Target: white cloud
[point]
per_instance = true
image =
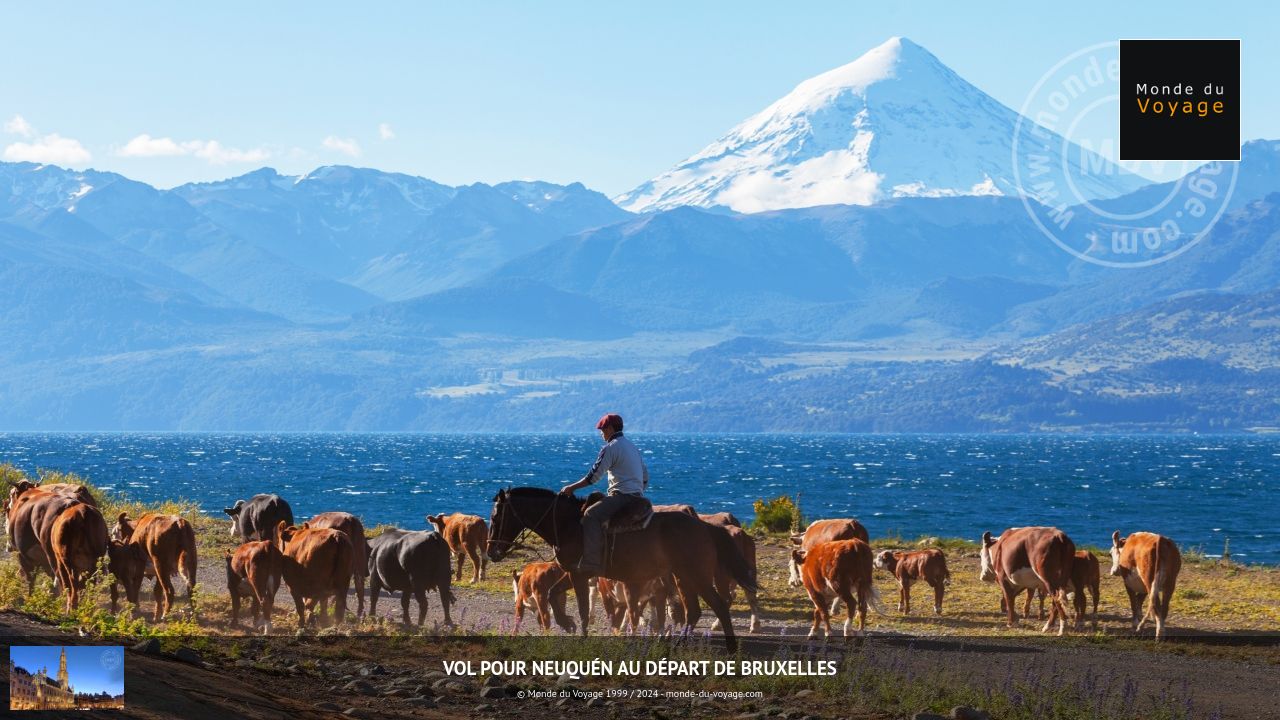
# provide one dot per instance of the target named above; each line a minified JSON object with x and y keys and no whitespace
{"x":211,"y":151}
{"x":19,"y":126}
{"x":146,"y":146}
{"x":52,"y":148}
{"x":346,"y":146}
{"x":385,"y":132}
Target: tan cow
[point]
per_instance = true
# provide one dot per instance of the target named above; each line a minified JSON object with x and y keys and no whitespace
{"x":911,"y":567}
{"x":169,"y":544}
{"x":254,"y":570}
{"x":466,"y":536}
{"x":1149,"y":564}
{"x":77,"y":541}
{"x":820,"y":531}
{"x":316,"y":565}
{"x":1030,"y":557}
{"x":351,"y":525}
{"x":542,"y":587}
{"x":838,"y":570}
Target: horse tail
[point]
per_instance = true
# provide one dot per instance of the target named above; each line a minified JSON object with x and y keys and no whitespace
{"x":730,"y":557}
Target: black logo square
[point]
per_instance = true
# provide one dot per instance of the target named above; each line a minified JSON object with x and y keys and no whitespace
{"x":1179,"y":99}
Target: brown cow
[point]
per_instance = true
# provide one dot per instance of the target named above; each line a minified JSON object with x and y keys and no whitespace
{"x":71,"y":490}
{"x":542,"y":587}
{"x":724,"y":581}
{"x":466,"y":535}
{"x":254,"y":571}
{"x":77,"y":540}
{"x":837,"y":570}
{"x":820,"y":531}
{"x":169,"y":543}
{"x":910,"y":567}
{"x":685,"y":508}
{"x":316,"y":565}
{"x":351,"y":525}
{"x":127,"y":563}
{"x":723,"y":519}
{"x":1149,"y":564}
{"x":1030,"y":557}
{"x":1084,"y":577}
{"x":29,"y":523}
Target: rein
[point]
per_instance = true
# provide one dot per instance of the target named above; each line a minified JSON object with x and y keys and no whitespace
{"x":517,"y":541}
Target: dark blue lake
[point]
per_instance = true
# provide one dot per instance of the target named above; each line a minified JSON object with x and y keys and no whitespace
{"x":1198,"y":490}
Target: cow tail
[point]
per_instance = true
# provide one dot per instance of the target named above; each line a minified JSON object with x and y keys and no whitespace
{"x":946,"y":576}
{"x":187,"y":553}
{"x":730,"y":557}
{"x":873,"y":598}
{"x":1157,"y":588}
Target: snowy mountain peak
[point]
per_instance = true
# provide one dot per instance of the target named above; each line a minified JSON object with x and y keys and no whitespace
{"x":895,"y":122}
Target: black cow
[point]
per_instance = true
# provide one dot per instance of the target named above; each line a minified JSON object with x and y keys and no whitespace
{"x":257,"y":518}
{"x":411,"y":563}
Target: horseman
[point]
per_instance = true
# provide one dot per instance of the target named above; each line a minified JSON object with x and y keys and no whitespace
{"x":628,"y":479}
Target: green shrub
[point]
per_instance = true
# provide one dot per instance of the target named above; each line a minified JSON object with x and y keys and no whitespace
{"x":779,"y":515}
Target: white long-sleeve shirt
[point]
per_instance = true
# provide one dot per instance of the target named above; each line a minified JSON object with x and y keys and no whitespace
{"x":622,"y":461}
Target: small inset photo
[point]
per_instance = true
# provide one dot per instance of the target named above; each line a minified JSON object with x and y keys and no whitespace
{"x":74,"y":677}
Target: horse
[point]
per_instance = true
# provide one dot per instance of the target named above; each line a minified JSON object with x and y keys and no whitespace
{"x":672,"y":542}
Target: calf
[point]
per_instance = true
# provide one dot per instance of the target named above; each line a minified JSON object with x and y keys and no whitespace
{"x":410,"y":563}
{"x":542,"y":587}
{"x":127,"y":564}
{"x":837,"y":570}
{"x":258,"y":518}
{"x":624,"y":603}
{"x":316,"y":565}
{"x":820,"y":531}
{"x":254,"y":571}
{"x":466,"y":535}
{"x":1149,"y":564}
{"x":351,"y":525}
{"x":1084,"y":577}
{"x":77,"y":540}
{"x":1030,"y":557}
{"x":911,"y":567}
{"x":169,"y":544}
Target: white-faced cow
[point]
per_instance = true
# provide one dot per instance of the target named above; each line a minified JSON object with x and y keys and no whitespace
{"x":1149,"y":565}
{"x":1030,"y":557}
{"x":820,"y":531}
{"x":911,"y":567}
{"x":258,"y":517}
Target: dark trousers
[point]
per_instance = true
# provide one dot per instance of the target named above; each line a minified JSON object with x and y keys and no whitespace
{"x":593,"y":524}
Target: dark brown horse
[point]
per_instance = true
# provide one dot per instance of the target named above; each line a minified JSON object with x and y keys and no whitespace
{"x":673,"y":542}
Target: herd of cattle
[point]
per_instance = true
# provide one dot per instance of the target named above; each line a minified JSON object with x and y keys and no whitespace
{"x":59,"y":529}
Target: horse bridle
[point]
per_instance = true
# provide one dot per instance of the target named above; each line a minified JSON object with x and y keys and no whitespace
{"x":506,"y":495}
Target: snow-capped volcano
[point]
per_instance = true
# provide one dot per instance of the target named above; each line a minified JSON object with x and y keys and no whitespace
{"x":895,"y":122}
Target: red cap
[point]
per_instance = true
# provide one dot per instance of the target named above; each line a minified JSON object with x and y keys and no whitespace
{"x":612,"y":420}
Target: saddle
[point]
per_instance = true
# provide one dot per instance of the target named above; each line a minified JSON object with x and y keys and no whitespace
{"x":630,"y":520}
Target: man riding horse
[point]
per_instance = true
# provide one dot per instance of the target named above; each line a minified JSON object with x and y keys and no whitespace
{"x":628,"y":479}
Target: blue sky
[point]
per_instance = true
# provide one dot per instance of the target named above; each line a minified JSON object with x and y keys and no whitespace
{"x":86,"y":668}
{"x":608,"y":94}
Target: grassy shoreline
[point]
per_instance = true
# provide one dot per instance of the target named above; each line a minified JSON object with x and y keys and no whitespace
{"x":1217,"y":599}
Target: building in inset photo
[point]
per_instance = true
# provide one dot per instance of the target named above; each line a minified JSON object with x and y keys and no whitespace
{"x":87,"y":677}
